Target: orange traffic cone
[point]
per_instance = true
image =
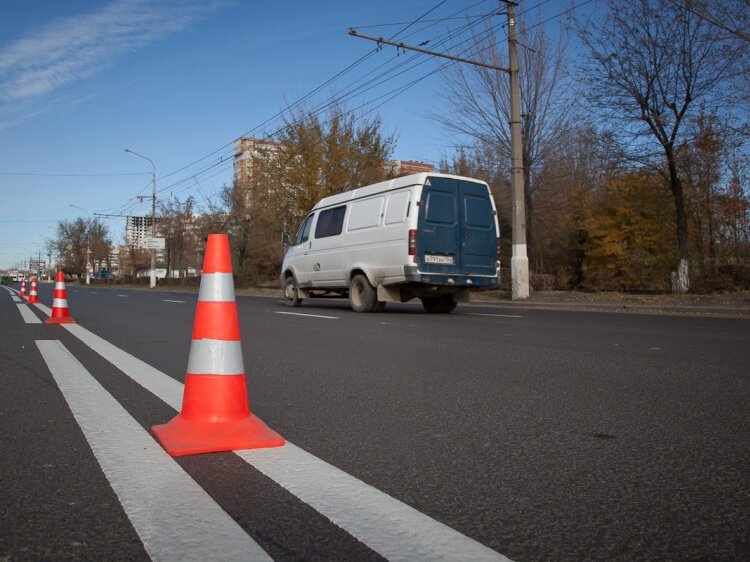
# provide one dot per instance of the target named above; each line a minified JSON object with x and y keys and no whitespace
{"x":60,"y":303}
{"x":33,"y":295}
{"x":215,"y":412}
{"x":23,"y":288}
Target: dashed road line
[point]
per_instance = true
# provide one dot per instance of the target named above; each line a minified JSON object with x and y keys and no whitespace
{"x":308,"y":315}
{"x":492,"y":315}
{"x":28,"y":316}
{"x":169,"y":300}
{"x":175,"y":517}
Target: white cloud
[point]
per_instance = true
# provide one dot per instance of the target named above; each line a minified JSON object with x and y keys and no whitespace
{"x":75,"y":47}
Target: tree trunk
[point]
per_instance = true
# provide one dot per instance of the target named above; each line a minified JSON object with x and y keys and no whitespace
{"x":681,"y":279}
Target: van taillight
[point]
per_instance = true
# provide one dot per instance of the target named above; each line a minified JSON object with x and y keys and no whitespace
{"x":412,"y":242}
{"x":498,"y":251}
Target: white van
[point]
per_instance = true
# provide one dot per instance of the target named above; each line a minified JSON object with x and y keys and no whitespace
{"x":429,"y":236}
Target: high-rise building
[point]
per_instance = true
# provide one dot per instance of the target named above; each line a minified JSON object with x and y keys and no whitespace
{"x":247,"y":151}
{"x":137,"y":228}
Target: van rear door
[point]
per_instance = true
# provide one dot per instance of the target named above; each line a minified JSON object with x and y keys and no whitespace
{"x":456,"y":228}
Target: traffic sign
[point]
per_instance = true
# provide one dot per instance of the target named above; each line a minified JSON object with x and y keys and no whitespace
{"x":151,"y":243}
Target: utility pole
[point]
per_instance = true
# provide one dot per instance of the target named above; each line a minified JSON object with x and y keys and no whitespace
{"x":519,"y":261}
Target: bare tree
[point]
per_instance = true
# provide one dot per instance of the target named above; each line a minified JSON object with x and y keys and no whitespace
{"x":478,"y":104}
{"x":176,"y":227}
{"x":730,"y":16}
{"x":651,"y":61}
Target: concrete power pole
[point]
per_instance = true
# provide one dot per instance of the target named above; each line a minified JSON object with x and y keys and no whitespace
{"x":519,"y":261}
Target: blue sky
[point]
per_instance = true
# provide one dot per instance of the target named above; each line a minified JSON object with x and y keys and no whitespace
{"x":177,"y":81}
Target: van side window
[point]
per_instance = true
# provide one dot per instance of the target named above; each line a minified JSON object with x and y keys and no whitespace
{"x":304,"y":231}
{"x":330,"y":222}
{"x":365,"y":214}
{"x":396,"y":212}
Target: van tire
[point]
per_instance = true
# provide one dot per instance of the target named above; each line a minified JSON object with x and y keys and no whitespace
{"x":291,"y":293}
{"x":362,"y":296}
{"x":439,"y":305}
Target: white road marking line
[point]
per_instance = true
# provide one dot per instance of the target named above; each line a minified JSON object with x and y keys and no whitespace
{"x":13,"y":294}
{"x":386,"y":525}
{"x":383,"y":523}
{"x":123,"y":296}
{"x":162,"y":386}
{"x":495,"y":315}
{"x":168,"y":300}
{"x":175,"y":518}
{"x":47,"y":310}
{"x":308,"y":315}
{"x":28,"y":316}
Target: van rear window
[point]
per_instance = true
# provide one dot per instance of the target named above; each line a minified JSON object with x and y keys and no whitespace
{"x":478,"y":212}
{"x":441,"y":207}
{"x":330,"y":222}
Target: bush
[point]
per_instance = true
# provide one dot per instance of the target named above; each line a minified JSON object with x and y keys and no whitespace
{"x":542,"y":281}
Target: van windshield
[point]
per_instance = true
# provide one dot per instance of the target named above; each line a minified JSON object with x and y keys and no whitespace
{"x":304,"y":231}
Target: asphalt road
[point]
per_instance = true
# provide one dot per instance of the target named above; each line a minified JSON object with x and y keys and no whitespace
{"x":542,"y":435}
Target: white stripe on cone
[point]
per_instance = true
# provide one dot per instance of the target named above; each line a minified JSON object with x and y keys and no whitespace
{"x":215,"y":357}
{"x":216,"y":287}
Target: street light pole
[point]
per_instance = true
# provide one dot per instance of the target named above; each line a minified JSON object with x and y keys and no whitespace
{"x":88,"y":242}
{"x":153,"y":214}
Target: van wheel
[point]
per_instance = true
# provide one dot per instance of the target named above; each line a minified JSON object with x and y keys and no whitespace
{"x":291,"y":293}
{"x":439,"y":305}
{"x":362,"y":295}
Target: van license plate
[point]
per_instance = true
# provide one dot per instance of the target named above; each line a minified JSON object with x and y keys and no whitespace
{"x":445,"y":260}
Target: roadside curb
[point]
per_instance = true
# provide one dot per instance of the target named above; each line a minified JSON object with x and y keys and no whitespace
{"x":622,"y":307}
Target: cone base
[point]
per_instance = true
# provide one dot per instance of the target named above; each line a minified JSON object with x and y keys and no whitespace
{"x":181,"y":436}
{"x":32,"y":301}
{"x":59,"y":320}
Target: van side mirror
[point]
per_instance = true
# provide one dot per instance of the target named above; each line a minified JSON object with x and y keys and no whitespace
{"x":285,"y":239}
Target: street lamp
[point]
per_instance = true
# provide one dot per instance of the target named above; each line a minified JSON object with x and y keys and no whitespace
{"x":88,"y":242}
{"x":153,"y":214}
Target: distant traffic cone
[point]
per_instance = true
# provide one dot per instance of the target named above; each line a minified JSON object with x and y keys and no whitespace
{"x":33,"y":295}
{"x":215,"y":412}
{"x":23,"y":288}
{"x":60,"y":313}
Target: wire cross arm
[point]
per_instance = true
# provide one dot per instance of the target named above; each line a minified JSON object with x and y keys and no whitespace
{"x":380,"y":41}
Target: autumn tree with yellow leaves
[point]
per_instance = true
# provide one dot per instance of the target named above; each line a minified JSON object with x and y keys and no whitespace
{"x":314,"y":155}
